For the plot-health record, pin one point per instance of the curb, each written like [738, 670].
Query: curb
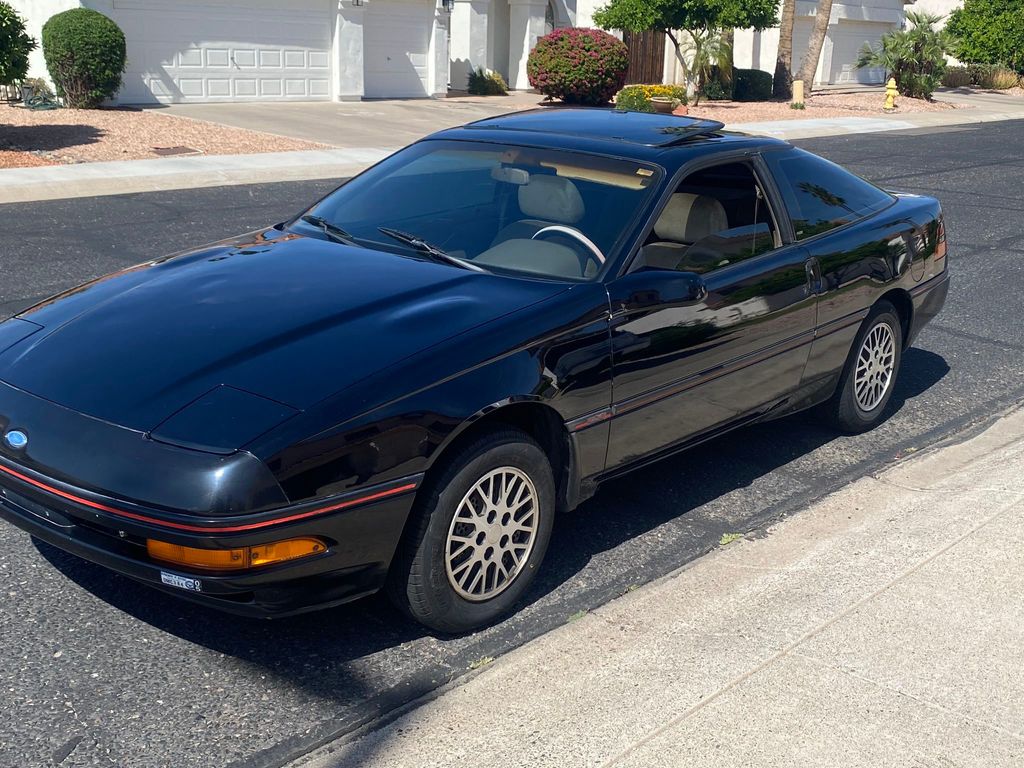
[22, 185]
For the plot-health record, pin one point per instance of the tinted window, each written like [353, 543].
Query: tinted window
[820, 195]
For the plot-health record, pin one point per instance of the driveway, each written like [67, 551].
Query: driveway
[97, 670]
[392, 123]
[996, 101]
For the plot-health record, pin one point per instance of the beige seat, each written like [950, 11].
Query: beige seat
[686, 219]
[546, 200]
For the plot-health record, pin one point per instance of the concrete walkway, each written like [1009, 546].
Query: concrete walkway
[881, 627]
[368, 131]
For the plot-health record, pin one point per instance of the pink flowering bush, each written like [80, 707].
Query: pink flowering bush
[578, 66]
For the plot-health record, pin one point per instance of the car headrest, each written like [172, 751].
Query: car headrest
[551, 198]
[688, 218]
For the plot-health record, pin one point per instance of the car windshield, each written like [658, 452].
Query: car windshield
[496, 208]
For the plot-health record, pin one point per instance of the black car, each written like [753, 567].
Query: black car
[403, 385]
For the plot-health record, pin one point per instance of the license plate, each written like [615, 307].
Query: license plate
[181, 582]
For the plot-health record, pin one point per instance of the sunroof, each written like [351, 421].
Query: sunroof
[653, 130]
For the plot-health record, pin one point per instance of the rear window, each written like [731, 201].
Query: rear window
[820, 195]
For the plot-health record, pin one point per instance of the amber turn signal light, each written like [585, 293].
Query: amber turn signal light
[234, 559]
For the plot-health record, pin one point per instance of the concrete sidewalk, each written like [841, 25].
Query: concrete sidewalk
[881, 627]
[370, 131]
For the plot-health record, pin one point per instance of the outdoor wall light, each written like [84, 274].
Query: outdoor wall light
[357, 3]
[448, 5]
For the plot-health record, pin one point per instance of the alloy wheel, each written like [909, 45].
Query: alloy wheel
[875, 365]
[492, 534]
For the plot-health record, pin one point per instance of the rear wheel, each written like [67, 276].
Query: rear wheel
[478, 534]
[869, 375]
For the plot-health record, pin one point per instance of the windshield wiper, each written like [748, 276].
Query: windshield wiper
[424, 247]
[333, 231]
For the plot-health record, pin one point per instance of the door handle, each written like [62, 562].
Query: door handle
[813, 268]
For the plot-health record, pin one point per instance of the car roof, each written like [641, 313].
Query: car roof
[639, 135]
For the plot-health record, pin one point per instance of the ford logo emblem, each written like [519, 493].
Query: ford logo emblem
[16, 439]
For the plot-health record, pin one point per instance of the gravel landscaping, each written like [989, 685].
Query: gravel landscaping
[32, 138]
[816, 106]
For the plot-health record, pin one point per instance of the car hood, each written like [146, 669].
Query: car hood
[289, 318]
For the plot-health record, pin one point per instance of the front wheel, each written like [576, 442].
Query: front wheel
[478, 534]
[869, 376]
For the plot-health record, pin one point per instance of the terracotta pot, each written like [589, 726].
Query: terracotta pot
[681, 110]
[664, 106]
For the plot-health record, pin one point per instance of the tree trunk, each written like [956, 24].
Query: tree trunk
[680, 58]
[782, 86]
[726, 65]
[814, 46]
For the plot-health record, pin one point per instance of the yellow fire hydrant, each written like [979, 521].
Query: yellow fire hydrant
[890, 95]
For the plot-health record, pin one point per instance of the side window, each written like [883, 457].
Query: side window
[716, 217]
[820, 195]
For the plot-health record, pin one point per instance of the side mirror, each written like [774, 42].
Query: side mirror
[651, 288]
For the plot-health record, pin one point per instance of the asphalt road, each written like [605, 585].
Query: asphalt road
[97, 670]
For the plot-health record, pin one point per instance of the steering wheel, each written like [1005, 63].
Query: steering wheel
[561, 229]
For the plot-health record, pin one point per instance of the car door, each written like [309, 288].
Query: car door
[860, 240]
[718, 337]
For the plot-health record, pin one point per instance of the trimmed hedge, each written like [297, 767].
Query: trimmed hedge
[637, 98]
[486, 83]
[578, 66]
[85, 54]
[751, 85]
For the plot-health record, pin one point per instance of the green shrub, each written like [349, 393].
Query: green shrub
[956, 77]
[85, 54]
[751, 85]
[916, 57]
[578, 66]
[15, 46]
[980, 73]
[989, 32]
[715, 90]
[486, 83]
[637, 98]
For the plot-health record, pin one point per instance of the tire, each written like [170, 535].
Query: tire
[846, 410]
[429, 580]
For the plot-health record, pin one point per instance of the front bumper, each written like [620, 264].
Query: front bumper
[362, 530]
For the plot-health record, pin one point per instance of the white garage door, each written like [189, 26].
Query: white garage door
[225, 50]
[396, 48]
[848, 37]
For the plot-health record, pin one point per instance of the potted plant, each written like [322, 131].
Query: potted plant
[664, 104]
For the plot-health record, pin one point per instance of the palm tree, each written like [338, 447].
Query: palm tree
[915, 56]
[699, 54]
[810, 63]
[782, 85]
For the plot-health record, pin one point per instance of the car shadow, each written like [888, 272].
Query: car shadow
[327, 652]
